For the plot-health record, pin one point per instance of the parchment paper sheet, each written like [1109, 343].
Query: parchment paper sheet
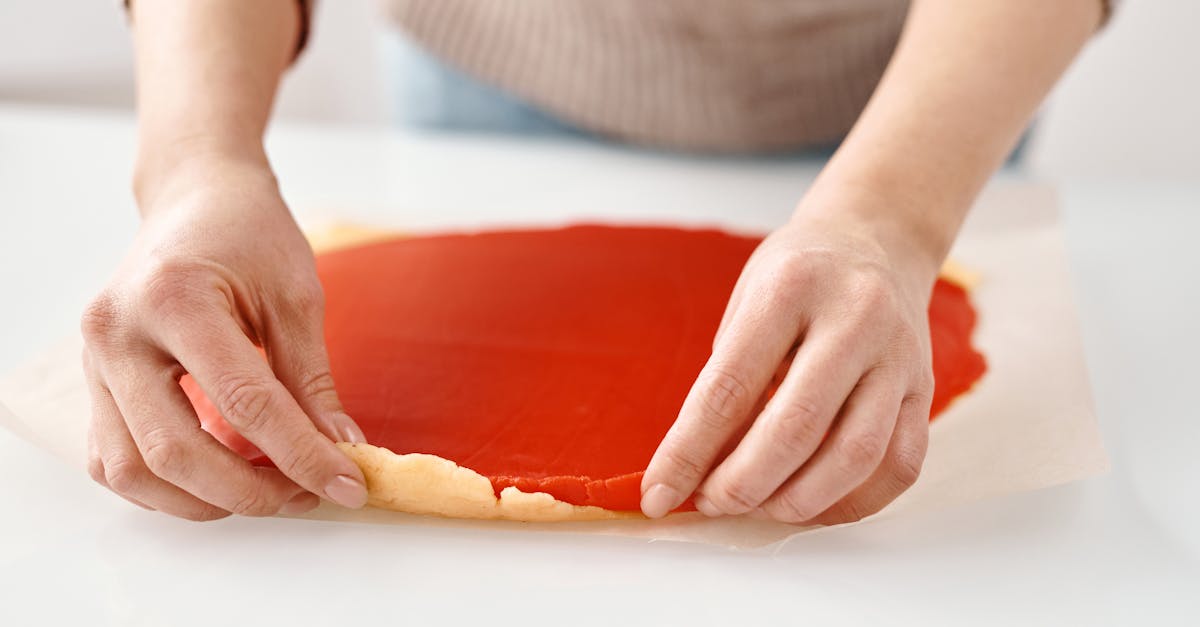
[1028, 424]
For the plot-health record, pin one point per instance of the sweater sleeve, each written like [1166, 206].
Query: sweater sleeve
[306, 10]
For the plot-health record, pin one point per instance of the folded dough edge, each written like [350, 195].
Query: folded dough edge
[419, 483]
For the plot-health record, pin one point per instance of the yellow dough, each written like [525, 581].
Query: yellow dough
[959, 274]
[340, 235]
[428, 484]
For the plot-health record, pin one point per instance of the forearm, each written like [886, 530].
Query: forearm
[207, 72]
[965, 80]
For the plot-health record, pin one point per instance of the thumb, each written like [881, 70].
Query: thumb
[296, 349]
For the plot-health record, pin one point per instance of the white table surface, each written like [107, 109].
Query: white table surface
[1119, 549]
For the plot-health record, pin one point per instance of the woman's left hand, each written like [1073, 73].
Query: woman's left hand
[837, 304]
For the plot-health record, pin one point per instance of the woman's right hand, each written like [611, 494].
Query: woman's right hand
[218, 269]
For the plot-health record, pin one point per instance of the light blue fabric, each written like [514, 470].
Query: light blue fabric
[430, 94]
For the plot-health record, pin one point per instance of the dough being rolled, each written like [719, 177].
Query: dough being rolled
[427, 484]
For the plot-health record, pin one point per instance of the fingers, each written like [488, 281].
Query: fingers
[116, 463]
[731, 308]
[247, 394]
[296, 348]
[851, 452]
[794, 423]
[760, 334]
[899, 471]
[95, 466]
[172, 445]
[194, 314]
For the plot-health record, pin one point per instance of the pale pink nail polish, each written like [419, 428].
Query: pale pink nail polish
[299, 504]
[659, 500]
[705, 506]
[346, 491]
[348, 430]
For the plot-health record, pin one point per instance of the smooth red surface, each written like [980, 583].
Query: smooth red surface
[956, 363]
[551, 360]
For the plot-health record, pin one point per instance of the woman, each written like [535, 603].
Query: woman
[929, 98]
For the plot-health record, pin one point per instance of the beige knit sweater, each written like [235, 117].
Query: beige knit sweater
[725, 75]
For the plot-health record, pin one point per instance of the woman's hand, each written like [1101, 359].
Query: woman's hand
[836, 305]
[218, 269]
[847, 281]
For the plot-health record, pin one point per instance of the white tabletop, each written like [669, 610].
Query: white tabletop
[1123, 548]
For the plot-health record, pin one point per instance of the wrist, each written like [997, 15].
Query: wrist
[165, 171]
[911, 193]
[165, 166]
[189, 185]
[912, 234]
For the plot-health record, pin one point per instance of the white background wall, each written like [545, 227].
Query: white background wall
[1131, 104]
[1128, 108]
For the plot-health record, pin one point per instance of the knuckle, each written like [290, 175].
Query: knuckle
[172, 287]
[122, 473]
[923, 389]
[304, 461]
[870, 298]
[788, 507]
[916, 404]
[685, 464]
[252, 500]
[243, 401]
[799, 425]
[906, 354]
[783, 295]
[206, 513]
[319, 385]
[100, 319]
[96, 470]
[873, 291]
[849, 511]
[306, 295]
[165, 455]
[860, 452]
[787, 282]
[736, 493]
[723, 395]
[906, 466]
[916, 340]
[781, 282]
[794, 269]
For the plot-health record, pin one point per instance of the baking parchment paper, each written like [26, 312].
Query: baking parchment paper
[1028, 424]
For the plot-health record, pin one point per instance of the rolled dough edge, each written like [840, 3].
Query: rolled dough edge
[427, 484]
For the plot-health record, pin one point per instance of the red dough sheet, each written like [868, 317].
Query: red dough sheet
[550, 360]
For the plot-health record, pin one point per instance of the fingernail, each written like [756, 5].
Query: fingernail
[349, 432]
[299, 504]
[705, 506]
[346, 491]
[659, 500]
